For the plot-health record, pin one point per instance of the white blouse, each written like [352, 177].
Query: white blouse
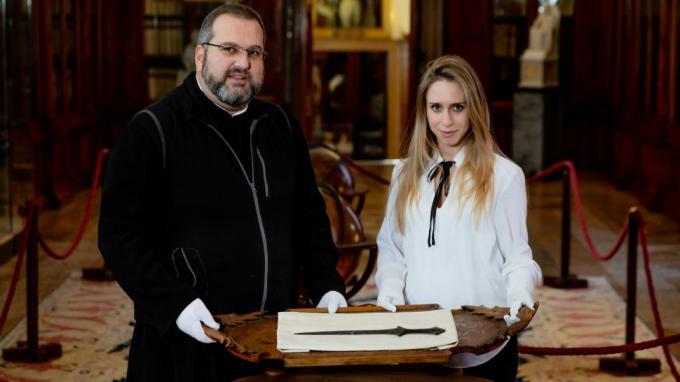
[474, 262]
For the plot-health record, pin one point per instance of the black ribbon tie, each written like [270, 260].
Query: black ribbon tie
[444, 180]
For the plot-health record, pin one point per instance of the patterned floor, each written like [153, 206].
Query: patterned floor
[594, 316]
[91, 320]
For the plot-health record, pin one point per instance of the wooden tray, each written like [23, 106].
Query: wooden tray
[252, 337]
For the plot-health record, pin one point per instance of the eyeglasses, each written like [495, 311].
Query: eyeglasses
[232, 51]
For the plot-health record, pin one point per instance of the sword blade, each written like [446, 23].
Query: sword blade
[398, 331]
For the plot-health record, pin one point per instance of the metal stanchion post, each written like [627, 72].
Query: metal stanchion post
[628, 364]
[30, 350]
[565, 280]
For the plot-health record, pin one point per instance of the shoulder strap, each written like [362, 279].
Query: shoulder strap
[160, 132]
[285, 116]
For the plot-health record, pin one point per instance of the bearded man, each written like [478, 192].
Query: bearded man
[210, 207]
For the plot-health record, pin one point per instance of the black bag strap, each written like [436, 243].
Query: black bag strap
[285, 116]
[160, 132]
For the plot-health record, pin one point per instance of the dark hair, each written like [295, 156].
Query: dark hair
[205, 34]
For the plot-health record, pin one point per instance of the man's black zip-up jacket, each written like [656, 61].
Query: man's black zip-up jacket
[218, 207]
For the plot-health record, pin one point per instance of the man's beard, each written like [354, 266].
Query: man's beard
[231, 95]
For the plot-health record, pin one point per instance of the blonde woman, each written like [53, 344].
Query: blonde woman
[455, 225]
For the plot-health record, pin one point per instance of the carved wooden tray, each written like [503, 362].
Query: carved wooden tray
[252, 337]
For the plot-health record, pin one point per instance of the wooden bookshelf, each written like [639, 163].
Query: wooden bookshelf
[164, 42]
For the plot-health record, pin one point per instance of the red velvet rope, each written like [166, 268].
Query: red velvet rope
[662, 340]
[652, 294]
[601, 350]
[30, 212]
[28, 218]
[86, 215]
[575, 190]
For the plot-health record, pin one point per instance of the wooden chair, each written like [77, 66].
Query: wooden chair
[349, 238]
[330, 168]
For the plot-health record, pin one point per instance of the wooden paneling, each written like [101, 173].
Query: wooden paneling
[468, 32]
[625, 69]
[88, 78]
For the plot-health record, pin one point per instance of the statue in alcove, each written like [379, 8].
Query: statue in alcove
[539, 62]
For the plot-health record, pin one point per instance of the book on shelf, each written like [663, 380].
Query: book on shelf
[164, 38]
[164, 7]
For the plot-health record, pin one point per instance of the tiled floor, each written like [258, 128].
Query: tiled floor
[605, 211]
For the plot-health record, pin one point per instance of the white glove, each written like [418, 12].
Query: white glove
[332, 300]
[517, 299]
[189, 321]
[389, 303]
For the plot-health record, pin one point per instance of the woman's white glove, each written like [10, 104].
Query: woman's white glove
[516, 300]
[332, 300]
[389, 302]
[189, 321]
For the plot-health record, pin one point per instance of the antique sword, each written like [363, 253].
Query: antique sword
[398, 331]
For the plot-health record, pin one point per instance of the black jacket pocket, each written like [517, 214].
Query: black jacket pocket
[189, 268]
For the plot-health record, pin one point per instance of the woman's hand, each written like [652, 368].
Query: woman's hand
[388, 302]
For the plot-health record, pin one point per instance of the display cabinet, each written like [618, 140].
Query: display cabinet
[360, 75]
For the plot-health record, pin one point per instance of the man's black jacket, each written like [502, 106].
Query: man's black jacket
[214, 211]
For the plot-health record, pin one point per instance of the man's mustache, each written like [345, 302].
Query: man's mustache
[238, 71]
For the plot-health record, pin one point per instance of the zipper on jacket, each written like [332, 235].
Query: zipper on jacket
[259, 217]
[255, 200]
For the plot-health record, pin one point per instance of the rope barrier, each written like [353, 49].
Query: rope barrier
[86, 215]
[578, 205]
[600, 350]
[23, 244]
[29, 211]
[661, 340]
[652, 295]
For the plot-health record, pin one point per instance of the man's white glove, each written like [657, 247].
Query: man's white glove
[516, 300]
[388, 302]
[189, 321]
[332, 300]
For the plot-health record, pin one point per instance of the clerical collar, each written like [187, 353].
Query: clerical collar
[234, 113]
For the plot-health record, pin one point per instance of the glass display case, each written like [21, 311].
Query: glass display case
[351, 102]
[360, 76]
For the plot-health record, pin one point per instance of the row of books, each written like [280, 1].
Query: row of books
[505, 40]
[163, 7]
[165, 38]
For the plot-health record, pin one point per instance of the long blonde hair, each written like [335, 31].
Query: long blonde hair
[474, 178]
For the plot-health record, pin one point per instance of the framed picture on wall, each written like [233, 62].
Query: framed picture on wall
[351, 18]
